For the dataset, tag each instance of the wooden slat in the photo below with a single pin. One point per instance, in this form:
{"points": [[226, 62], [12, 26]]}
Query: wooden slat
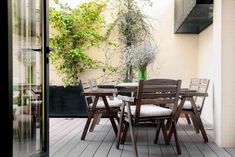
{"points": [[198, 140], [71, 142], [106, 145], [65, 137], [100, 143], [167, 150], [231, 151], [158, 95], [156, 101], [160, 82], [92, 148], [154, 149], [82, 145]]}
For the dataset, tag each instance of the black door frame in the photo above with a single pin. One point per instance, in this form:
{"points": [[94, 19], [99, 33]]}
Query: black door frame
{"points": [[6, 77], [45, 85]]}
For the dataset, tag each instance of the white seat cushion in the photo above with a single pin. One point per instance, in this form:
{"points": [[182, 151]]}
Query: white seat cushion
{"points": [[112, 103], [151, 111], [188, 105]]}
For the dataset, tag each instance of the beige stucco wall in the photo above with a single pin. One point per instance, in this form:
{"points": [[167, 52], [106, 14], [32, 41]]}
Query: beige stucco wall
{"points": [[227, 73], [177, 54], [224, 75], [205, 68]]}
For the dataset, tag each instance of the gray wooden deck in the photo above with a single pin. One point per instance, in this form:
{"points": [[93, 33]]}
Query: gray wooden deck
{"points": [[65, 141]]}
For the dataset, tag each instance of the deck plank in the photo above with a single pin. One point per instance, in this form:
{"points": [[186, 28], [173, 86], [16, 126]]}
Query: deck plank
{"points": [[65, 130], [66, 148], [65, 141], [106, 144], [153, 149], [93, 146], [231, 151], [82, 145], [66, 137], [197, 139]]}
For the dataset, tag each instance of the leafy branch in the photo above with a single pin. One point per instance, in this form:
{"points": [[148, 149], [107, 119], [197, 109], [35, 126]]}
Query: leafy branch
{"points": [[74, 32]]}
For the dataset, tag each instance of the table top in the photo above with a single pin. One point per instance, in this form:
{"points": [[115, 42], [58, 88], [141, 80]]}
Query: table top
{"points": [[127, 84], [183, 91], [100, 92]]}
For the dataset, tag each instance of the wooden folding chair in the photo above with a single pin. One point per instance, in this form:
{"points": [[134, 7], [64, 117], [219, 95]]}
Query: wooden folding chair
{"points": [[147, 111], [91, 84], [200, 85]]}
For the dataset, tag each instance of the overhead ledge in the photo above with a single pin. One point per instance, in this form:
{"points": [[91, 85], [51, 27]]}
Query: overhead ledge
{"points": [[192, 16]]}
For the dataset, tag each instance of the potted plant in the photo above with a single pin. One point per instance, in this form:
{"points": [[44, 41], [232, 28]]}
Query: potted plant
{"points": [[140, 56]]}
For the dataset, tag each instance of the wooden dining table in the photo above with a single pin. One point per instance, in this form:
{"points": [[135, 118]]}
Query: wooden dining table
{"points": [[99, 93], [185, 94]]}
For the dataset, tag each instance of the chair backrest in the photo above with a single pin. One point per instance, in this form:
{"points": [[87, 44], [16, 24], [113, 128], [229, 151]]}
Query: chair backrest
{"points": [[194, 83], [202, 88], [93, 84], [85, 85], [158, 92]]}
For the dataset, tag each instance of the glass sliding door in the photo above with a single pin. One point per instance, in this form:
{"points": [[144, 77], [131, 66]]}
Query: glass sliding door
{"points": [[28, 56]]}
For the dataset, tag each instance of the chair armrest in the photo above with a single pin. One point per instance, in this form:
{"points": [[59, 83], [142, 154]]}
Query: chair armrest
{"points": [[126, 98]]}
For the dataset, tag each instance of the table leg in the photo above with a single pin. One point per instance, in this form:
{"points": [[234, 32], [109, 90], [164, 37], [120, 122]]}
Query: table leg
{"points": [[89, 118], [110, 114]]}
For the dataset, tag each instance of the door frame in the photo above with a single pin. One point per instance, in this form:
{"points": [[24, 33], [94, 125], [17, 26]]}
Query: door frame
{"points": [[45, 85], [6, 118], [6, 79]]}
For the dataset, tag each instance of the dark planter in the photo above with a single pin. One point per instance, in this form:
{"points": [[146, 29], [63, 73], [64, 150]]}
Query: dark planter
{"points": [[66, 102]]}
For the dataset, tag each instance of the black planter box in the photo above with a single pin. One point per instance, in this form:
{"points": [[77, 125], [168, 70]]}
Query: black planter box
{"points": [[66, 102]]}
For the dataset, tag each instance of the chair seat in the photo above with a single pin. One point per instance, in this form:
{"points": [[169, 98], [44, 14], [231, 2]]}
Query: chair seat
{"points": [[112, 103], [151, 111], [188, 105]]}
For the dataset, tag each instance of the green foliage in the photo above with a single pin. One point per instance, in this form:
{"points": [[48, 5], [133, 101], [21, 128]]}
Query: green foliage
{"points": [[75, 31], [133, 29]]}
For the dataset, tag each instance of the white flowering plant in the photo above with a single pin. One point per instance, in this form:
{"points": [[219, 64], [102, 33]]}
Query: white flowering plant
{"points": [[140, 56]]}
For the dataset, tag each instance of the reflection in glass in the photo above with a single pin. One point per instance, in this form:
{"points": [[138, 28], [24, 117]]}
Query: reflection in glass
{"points": [[27, 79]]}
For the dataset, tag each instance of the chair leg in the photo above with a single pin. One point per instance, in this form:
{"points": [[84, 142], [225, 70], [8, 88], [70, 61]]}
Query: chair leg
{"points": [[195, 123], [124, 134], [94, 122], [170, 133], [132, 131], [120, 126], [164, 132], [203, 132], [89, 119], [157, 131], [98, 118], [168, 124], [187, 118], [176, 138]]}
